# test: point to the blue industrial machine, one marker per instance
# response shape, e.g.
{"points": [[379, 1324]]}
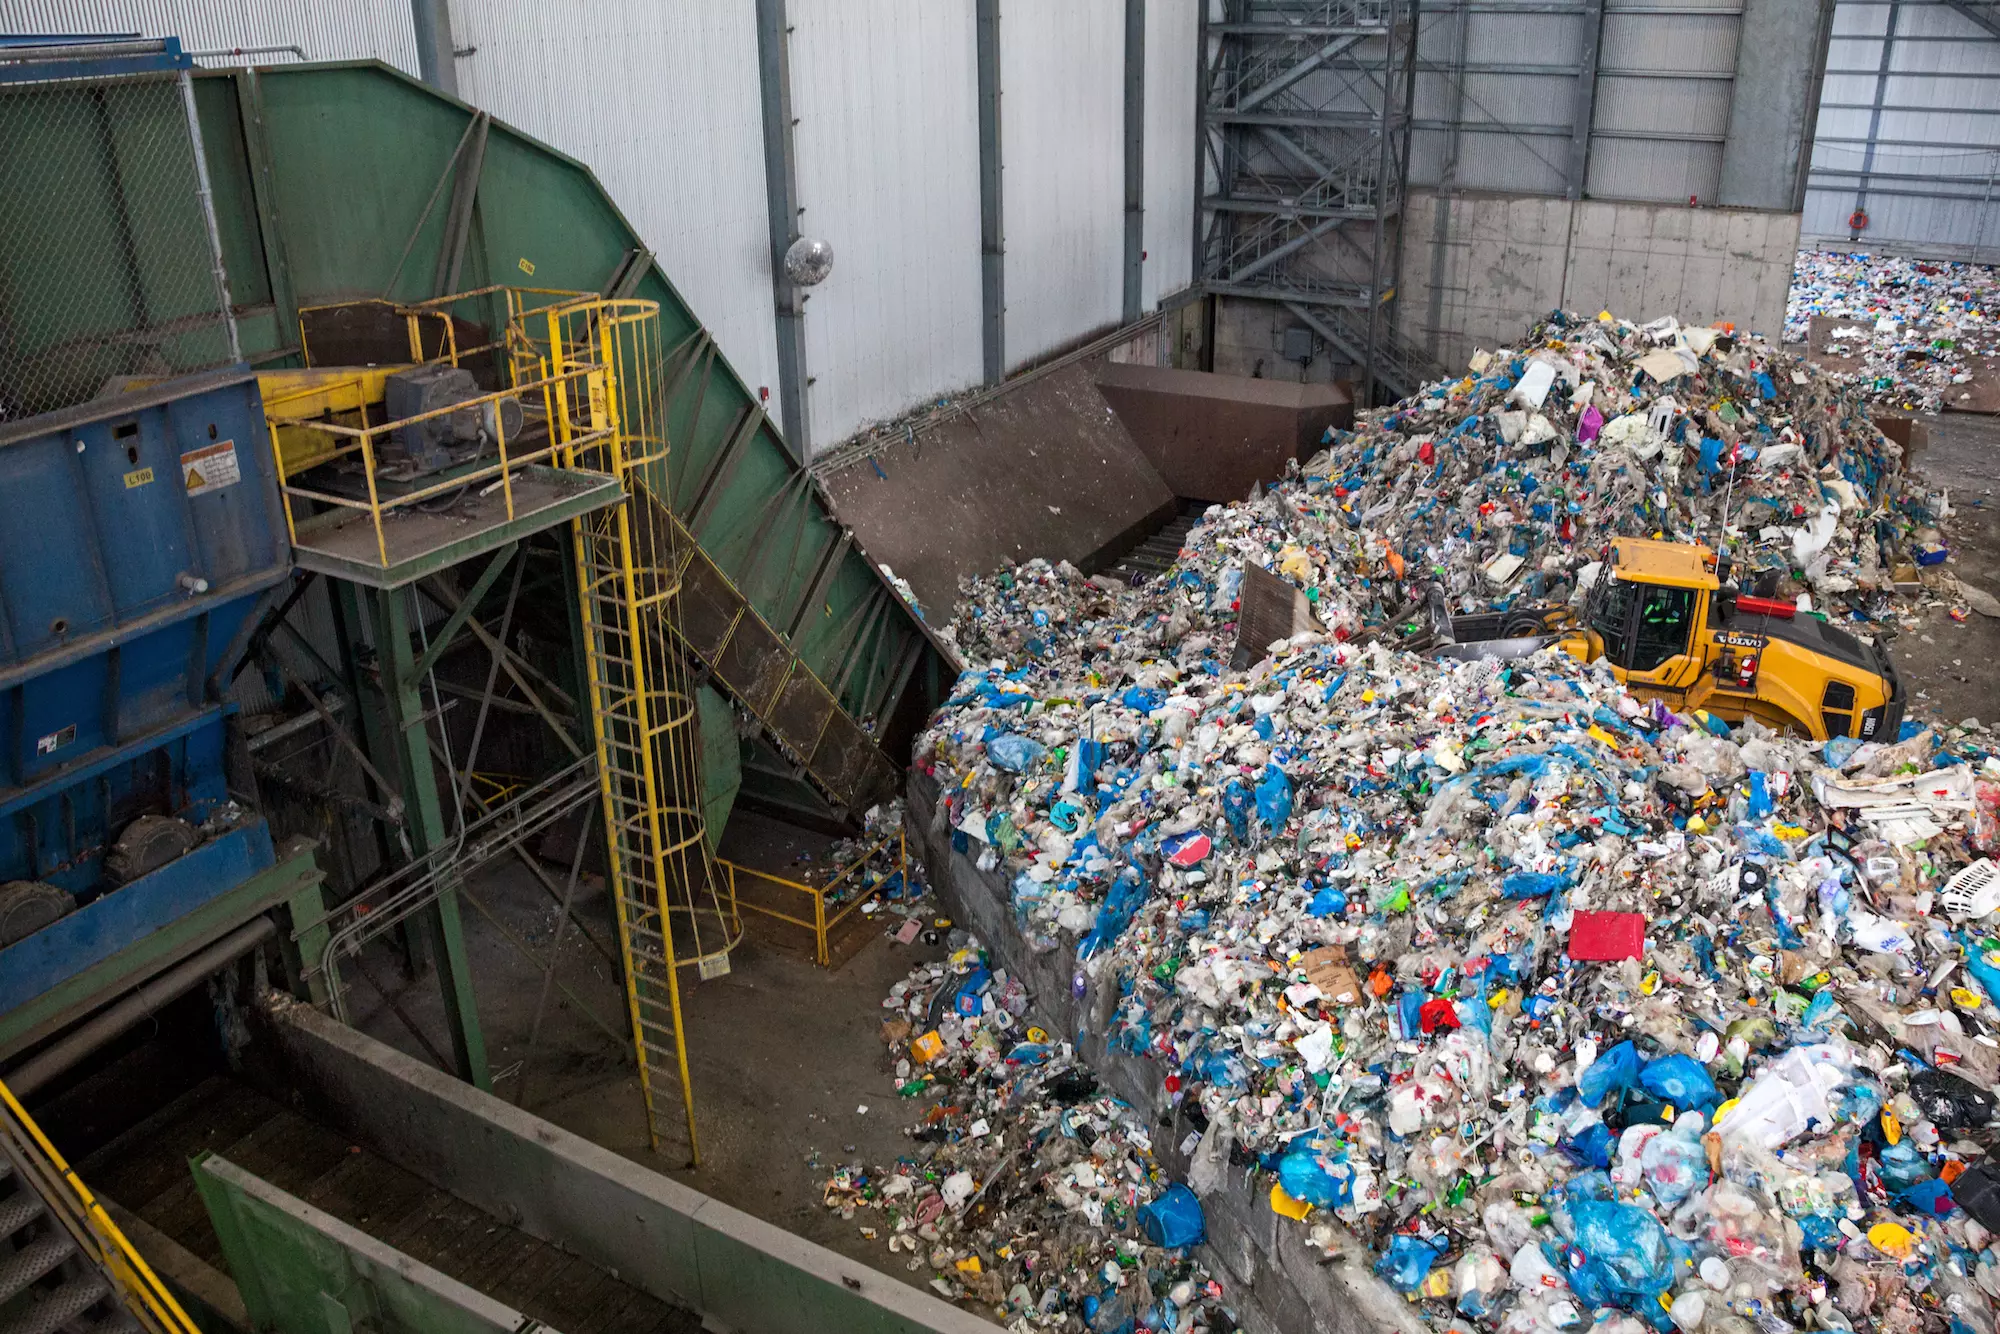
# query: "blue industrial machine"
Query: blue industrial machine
{"points": [[140, 535]]}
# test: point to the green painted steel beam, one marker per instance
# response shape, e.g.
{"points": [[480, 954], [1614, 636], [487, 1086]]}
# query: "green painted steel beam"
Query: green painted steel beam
{"points": [[409, 734]]}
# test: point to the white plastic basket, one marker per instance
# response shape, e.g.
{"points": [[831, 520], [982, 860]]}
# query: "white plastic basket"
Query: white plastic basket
{"points": [[1972, 891]]}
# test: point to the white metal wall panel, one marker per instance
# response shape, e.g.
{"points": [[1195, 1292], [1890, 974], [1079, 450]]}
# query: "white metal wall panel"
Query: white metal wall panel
{"points": [[885, 94], [348, 30], [1172, 29], [1931, 177], [661, 102], [1062, 135], [1654, 137]]}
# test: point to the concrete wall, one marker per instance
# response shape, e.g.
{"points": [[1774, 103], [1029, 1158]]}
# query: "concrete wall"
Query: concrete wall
{"points": [[1249, 340], [652, 1232], [1508, 261]]}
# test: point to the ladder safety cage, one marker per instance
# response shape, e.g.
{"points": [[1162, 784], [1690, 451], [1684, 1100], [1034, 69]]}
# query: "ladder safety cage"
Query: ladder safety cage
{"points": [[595, 362]]}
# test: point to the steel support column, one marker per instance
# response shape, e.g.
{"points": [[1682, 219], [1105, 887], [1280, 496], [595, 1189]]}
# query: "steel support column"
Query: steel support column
{"points": [[1585, 103], [1875, 112], [1447, 180], [410, 735], [781, 197], [992, 218], [1135, 156], [437, 64]]}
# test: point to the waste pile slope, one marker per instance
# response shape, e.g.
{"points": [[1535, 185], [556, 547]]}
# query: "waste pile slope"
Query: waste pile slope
{"points": [[1555, 1004]]}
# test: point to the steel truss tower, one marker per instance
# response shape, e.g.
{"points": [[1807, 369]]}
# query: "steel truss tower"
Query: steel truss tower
{"points": [[1303, 144]]}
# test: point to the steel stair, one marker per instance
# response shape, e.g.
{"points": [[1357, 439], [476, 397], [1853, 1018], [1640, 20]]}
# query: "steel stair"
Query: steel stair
{"points": [[1157, 554], [64, 1267]]}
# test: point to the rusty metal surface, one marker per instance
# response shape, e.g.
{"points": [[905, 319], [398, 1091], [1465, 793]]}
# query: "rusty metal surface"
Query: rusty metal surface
{"points": [[1212, 437], [744, 656], [1043, 469]]}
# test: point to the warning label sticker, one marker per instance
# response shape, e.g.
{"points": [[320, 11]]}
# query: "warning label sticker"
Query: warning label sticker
{"points": [[210, 468]]}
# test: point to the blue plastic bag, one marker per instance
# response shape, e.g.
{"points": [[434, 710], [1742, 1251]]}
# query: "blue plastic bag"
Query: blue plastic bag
{"points": [[1591, 1148], [968, 1001], [1128, 892], [1311, 1176], [1236, 807], [1614, 1072], [1015, 753], [1327, 902], [1679, 1080], [1143, 698], [1090, 757], [1408, 1260], [1274, 799], [1760, 795], [1530, 884], [1627, 1257], [1174, 1219]]}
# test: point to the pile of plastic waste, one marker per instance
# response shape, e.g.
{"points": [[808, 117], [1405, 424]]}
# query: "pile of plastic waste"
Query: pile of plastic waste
{"points": [[1506, 484], [1915, 326], [1558, 1005], [1029, 1191]]}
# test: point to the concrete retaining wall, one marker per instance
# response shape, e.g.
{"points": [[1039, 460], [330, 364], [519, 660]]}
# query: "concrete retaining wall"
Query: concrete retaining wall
{"points": [[679, 1245], [1509, 260], [1274, 1279]]}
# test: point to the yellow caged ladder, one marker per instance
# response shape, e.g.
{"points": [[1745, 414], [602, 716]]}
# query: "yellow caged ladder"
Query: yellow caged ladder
{"points": [[662, 875]]}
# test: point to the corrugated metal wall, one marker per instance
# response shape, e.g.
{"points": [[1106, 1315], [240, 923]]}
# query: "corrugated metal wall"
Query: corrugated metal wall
{"points": [[347, 30], [661, 102], [1062, 139], [1172, 29], [886, 99], [1503, 80], [1909, 131]]}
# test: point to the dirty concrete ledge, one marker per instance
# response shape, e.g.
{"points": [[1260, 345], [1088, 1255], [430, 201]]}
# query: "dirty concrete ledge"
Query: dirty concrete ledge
{"points": [[1273, 1278]]}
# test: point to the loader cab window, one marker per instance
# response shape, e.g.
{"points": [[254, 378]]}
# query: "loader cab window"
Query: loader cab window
{"points": [[1665, 616], [1611, 614]]}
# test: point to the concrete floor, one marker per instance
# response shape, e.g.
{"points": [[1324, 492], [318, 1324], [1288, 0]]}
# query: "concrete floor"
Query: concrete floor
{"points": [[1949, 665], [784, 1054]]}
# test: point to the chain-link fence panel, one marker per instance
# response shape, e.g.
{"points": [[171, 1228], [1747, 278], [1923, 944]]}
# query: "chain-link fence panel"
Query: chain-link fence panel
{"points": [[107, 260]]}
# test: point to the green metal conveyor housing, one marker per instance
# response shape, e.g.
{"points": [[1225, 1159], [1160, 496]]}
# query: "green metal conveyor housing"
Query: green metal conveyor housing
{"points": [[321, 175]]}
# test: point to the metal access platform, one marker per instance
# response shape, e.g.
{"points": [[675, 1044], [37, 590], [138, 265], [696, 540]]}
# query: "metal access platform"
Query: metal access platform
{"points": [[349, 512]]}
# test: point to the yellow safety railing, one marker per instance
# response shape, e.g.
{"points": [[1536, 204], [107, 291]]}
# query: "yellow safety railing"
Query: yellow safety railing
{"points": [[99, 1240], [819, 896], [322, 414], [516, 302], [343, 440]]}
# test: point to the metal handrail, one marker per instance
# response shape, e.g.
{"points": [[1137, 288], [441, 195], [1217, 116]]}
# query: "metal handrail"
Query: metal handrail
{"points": [[42, 1169], [821, 926], [416, 886], [363, 439]]}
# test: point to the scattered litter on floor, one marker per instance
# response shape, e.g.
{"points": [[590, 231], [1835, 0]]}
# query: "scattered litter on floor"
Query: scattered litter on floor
{"points": [[1557, 1005], [1917, 327], [1028, 1191]]}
